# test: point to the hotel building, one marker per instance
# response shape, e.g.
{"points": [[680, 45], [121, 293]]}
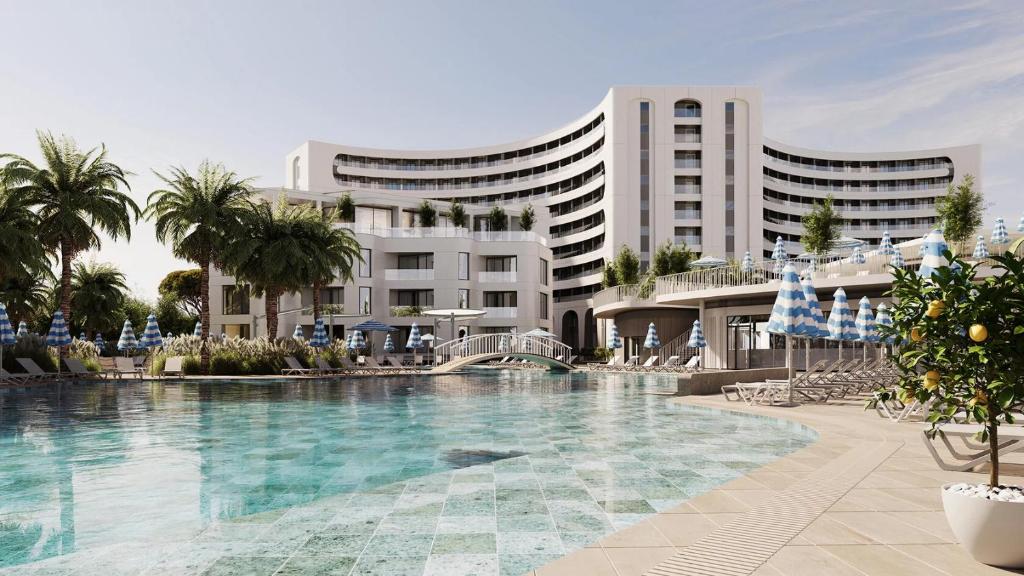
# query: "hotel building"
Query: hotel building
{"points": [[648, 164]]}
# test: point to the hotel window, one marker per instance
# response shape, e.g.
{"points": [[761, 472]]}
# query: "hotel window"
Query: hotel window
{"points": [[543, 272], [500, 264], [645, 185], [366, 266], [416, 261], [500, 299], [542, 306], [368, 217], [463, 265], [364, 300], [730, 179], [463, 298], [236, 299]]}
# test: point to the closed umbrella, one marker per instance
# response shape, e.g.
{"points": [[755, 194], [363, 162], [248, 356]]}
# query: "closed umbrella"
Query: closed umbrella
{"points": [[886, 247], [920, 247], [101, 345], [897, 260], [319, 337], [747, 265], [697, 341], [614, 340], [7, 337], [980, 250], [415, 341], [790, 316], [934, 246], [127, 340], [198, 331], [841, 326], [58, 336], [22, 329], [389, 344], [817, 316], [81, 336], [882, 318], [358, 340], [652, 342], [503, 344], [298, 334], [866, 330], [858, 256], [999, 234], [151, 337], [1020, 225], [779, 253]]}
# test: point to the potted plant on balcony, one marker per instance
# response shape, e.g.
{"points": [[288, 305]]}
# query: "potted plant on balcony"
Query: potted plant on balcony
{"points": [[962, 354]]}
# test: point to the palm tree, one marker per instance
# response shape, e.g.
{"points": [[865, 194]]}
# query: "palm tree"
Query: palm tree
{"points": [[27, 297], [333, 252], [21, 253], [77, 195], [196, 214], [98, 292], [274, 258]]}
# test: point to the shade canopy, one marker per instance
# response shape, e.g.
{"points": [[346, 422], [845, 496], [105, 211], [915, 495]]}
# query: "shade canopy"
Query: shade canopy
{"points": [[58, 334], [866, 330], [100, 344], [358, 340], [374, 326], [708, 262], [319, 338], [198, 331], [790, 314], [456, 312], [897, 259], [696, 336], [540, 333], [932, 258], [858, 256], [846, 243], [127, 340], [886, 247], [840, 320], [7, 337], [652, 341], [817, 316], [779, 252], [22, 329], [298, 334], [614, 340], [882, 318]]}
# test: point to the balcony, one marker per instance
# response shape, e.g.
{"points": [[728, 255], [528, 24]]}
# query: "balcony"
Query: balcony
{"points": [[687, 189], [686, 164], [687, 214], [408, 311], [419, 233], [409, 274], [504, 312], [499, 277]]}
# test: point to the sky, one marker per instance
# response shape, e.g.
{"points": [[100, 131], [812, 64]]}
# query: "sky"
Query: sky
{"points": [[243, 82]]}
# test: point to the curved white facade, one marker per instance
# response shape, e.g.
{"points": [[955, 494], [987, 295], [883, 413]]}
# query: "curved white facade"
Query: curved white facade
{"points": [[647, 165]]}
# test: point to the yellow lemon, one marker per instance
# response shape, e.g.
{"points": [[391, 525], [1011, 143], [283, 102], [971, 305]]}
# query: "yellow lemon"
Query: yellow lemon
{"points": [[935, 308], [915, 334], [978, 333], [931, 381]]}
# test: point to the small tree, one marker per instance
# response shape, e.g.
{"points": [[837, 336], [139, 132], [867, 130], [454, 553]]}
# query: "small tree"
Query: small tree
{"points": [[184, 289], [609, 277], [962, 345], [960, 212], [627, 266], [347, 208], [670, 258], [457, 214], [527, 218], [428, 216], [821, 227], [497, 219]]}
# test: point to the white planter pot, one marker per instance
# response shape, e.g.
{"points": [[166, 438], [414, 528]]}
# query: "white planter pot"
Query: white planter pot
{"points": [[990, 530]]}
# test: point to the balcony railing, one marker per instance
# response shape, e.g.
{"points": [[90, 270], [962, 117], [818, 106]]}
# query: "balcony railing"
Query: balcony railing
{"points": [[688, 138], [417, 233], [629, 294], [938, 188], [496, 276], [882, 167], [501, 312], [685, 164], [409, 274], [687, 189], [687, 214]]}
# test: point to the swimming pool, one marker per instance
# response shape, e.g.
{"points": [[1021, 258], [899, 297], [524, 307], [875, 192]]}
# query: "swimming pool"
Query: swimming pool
{"points": [[486, 473]]}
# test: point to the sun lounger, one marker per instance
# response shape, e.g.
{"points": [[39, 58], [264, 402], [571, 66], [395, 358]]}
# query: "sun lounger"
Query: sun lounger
{"points": [[19, 379], [372, 364], [632, 363], [324, 367], [79, 370], [1011, 439], [295, 368], [693, 364], [32, 368], [670, 364], [650, 364], [394, 361], [126, 367], [172, 366]]}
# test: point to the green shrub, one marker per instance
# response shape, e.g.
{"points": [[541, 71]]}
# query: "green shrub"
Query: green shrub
{"points": [[190, 365], [226, 364], [31, 346]]}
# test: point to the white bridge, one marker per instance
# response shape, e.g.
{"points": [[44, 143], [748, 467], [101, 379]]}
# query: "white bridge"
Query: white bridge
{"points": [[461, 352]]}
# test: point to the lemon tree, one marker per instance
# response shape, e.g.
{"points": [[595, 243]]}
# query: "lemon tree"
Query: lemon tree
{"points": [[961, 344]]}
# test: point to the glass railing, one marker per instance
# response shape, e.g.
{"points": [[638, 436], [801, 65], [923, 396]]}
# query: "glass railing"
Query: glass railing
{"points": [[409, 274], [883, 167], [629, 294], [857, 227], [854, 189], [687, 138], [497, 276], [689, 240], [501, 312], [687, 112], [854, 208], [685, 164], [687, 214], [687, 189], [417, 233]]}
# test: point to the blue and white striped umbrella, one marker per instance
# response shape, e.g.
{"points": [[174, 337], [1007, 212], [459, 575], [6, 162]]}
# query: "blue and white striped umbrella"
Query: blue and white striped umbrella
{"points": [[198, 331], [934, 246], [58, 335], [22, 329], [652, 341], [866, 330], [747, 265], [319, 337], [858, 256], [298, 334], [1020, 225], [151, 337], [779, 253], [840, 320], [7, 337], [980, 250], [886, 247], [101, 345], [358, 340], [81, 336], [127, 340], [389, 344], [415, 341], [614, 340], [817, 316], [999, 234], [790, 314], [503, 344], [920, 247], [696, 336], [882, 318], [897, 260]]}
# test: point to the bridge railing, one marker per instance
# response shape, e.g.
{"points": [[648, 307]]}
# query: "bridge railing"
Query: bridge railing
{"points": [[504, 344]]}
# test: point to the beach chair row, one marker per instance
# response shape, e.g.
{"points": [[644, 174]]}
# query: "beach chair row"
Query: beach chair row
{"points": [[671, 364], [823, 381]]}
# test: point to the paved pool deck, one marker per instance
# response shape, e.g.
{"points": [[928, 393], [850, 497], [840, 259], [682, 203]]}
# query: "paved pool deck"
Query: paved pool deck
{"points": [[863, 500]]}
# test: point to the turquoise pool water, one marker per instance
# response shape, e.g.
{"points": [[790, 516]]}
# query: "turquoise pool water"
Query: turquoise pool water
{"points": [[486, 473]]}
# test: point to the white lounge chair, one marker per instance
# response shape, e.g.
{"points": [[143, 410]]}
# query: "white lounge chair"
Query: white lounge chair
{"points": [[324, 367], [650, 364], [670, 364], [1011, 439], [126, 367], [172, 366], [692, 364]]}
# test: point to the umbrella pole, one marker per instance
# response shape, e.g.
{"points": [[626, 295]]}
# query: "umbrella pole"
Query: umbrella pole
{"points": [[789, 364]]}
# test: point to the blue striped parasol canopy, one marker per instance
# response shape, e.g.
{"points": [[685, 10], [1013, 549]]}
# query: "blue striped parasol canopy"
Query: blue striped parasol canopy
{"points": [[7, 337], [999, 234], [747, 265], [374, 326], [840, 320], [81, 336], [779, 253], [151, 337], [319, 337], [897, 260], [886, 247], [101, 345], [198, 331], [790, 314], [858, 256], [652, 341], [22, 329], [980, 250], [298, 334], [866, 330], [696, 336], [415, 341], [1020, 225], [127, 340], [358, 341], [882, 318], [932, 258], [58, 335], [614, 340], [389, 344], [817, 316]]}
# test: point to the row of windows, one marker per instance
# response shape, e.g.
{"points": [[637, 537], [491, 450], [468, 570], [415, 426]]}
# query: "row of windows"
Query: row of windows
{"points": [[845, 186], [771, 235], [857, 165], [847, 205], [583, 224], [553, 189], [576, 293], [578, 203], [854, 224], [577, 248], [466, 162], [578, 270]]}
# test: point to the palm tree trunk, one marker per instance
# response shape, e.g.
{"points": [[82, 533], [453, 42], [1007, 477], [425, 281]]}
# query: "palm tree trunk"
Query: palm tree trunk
{"points": [[204, 315], [316, 300], [271, 309], [65, 281]]}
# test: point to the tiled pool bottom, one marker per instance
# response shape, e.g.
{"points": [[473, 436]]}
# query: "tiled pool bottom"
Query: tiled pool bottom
{"points": [[337, 478]]}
